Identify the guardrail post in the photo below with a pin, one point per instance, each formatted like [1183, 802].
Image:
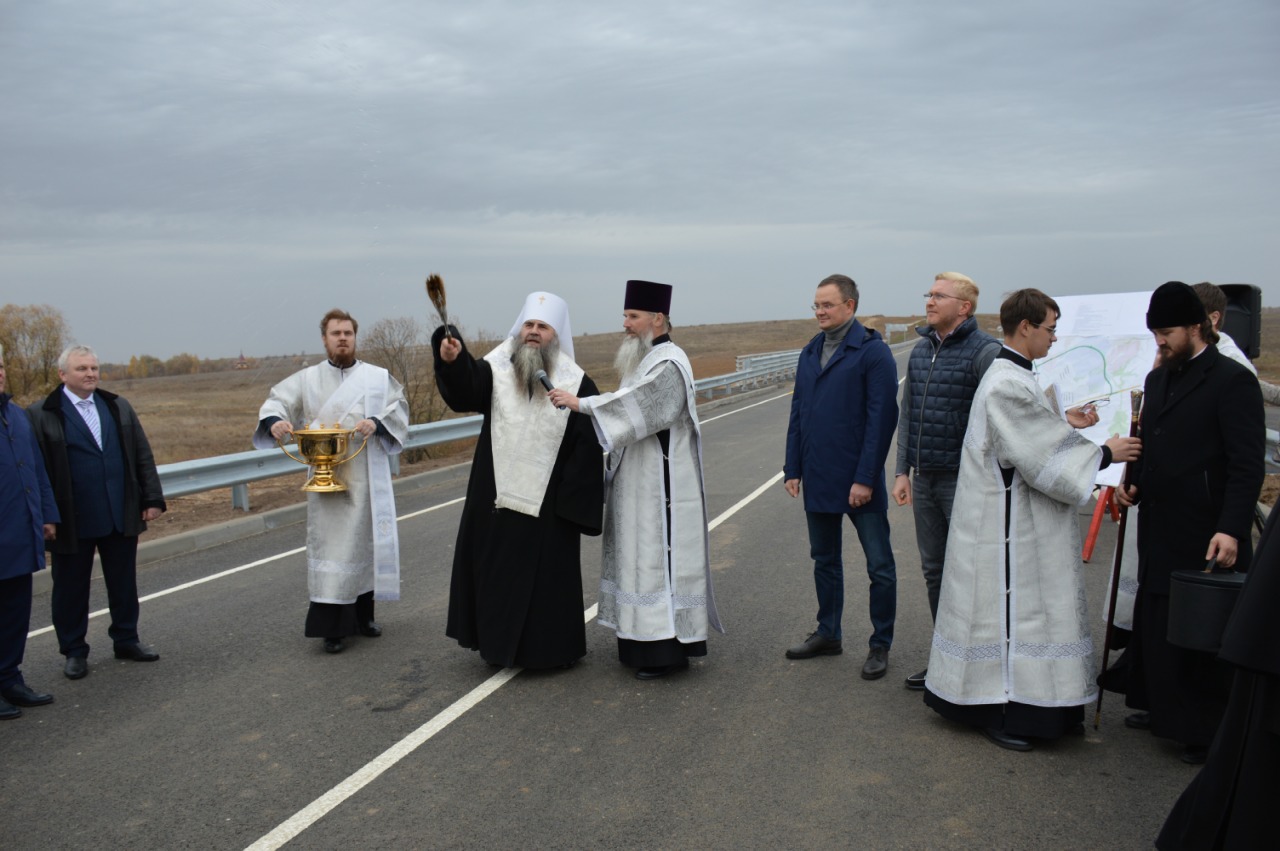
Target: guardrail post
[240, 496]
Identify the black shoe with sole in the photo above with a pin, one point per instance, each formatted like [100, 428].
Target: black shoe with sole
[877, 663]
[1138, 721]
[915, 682]
[75, 667]
[136, 652]
[816, 644]
[333, 645]
[1004, 740]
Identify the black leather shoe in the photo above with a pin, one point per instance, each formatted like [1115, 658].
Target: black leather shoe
[1191, 754]
[76, 667]
[8, 713]
[659, 672]
[370, 629]
[1004, 740]
[816, 644]
[136, 653]
[333, 645]
[915, 682]
[23, 695]
[877, 663]
[1138, 721]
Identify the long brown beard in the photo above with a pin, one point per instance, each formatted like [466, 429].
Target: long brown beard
[631, 351]
[527, 360]
[343, 361]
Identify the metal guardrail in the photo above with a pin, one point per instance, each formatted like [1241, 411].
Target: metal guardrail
[236, 471]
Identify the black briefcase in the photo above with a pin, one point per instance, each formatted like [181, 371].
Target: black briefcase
[1200, 604]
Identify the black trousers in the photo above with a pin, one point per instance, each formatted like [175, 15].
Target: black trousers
[71, 575]
[15, 620]
[336, 620]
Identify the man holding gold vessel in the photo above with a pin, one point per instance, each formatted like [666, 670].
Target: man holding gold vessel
[353, 549]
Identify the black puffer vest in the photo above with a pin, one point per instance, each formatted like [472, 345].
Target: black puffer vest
[943, 377]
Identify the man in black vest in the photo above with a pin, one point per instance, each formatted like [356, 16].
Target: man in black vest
[942, 375]
[107, 488]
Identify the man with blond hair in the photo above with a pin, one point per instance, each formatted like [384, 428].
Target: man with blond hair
[942, 375]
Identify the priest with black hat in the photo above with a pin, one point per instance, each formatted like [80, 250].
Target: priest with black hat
[655, 584]
[1198, 480]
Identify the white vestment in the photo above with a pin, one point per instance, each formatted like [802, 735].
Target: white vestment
[1015, 629]
[650, 591]
[526, 431]
[352, 541]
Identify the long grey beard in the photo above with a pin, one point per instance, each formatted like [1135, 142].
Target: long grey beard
[631, 352]
[527, 360]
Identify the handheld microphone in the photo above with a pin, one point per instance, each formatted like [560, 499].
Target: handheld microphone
[541, 376]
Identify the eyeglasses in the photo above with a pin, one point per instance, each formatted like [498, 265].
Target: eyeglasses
[940, 297]
[1052, 329]
[815, 307]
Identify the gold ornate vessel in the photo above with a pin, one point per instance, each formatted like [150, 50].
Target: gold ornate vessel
[323, 450]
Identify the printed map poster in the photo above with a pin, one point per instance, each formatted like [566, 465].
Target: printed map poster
[1103, 351]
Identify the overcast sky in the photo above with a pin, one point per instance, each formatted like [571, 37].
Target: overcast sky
[212, 175]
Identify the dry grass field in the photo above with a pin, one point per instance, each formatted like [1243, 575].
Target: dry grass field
[197, 416]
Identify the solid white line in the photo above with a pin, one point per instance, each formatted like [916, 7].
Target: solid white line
[744, 408]
[193, 583]
[743, 503]
[318, 808]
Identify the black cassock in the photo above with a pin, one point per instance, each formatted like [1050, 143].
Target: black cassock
[516, 592]
[1231, 803]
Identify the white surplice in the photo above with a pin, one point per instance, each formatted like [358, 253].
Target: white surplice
[649, 591]
[352, 541]
[1016, 630]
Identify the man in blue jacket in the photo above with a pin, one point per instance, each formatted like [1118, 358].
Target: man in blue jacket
[843, 413]
[27, 517]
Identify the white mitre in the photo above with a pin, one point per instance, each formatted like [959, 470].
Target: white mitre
[551, 309]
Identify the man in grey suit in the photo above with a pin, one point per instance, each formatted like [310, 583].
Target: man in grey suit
[107, 488]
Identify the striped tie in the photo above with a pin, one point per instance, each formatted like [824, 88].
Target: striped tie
[89, 412]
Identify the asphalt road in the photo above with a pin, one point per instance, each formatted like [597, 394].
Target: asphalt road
[244, 726]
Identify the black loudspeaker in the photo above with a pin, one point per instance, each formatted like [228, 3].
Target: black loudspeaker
[1244, 317]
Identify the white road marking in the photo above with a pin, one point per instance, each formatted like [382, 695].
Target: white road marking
[745, 408]
[318, 808]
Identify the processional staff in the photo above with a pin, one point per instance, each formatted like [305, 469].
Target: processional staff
[1135, 419]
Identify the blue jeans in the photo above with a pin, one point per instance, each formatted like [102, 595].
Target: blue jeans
[825, 546]
[932, 495]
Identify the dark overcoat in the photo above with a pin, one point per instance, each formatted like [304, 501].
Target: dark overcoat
[1201, 470]
[1203, 443]
[141, 481]
[843, 419]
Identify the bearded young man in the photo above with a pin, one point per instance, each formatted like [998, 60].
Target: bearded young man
[353, 549]
[655, 589]
[1198, 481]
[536, 487]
